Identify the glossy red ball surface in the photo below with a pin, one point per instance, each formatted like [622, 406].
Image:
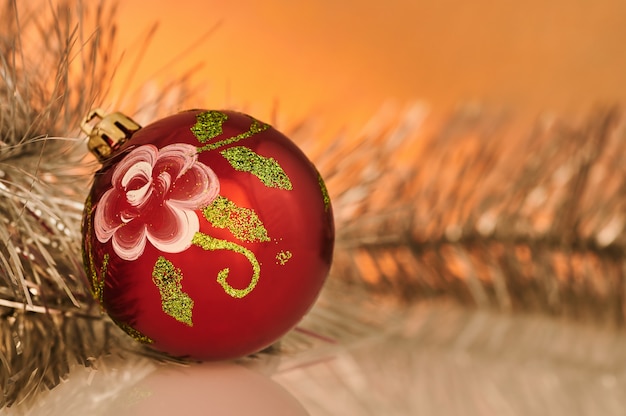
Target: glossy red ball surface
[207, 235]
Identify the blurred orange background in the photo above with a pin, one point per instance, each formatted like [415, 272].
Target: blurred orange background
[339, 61]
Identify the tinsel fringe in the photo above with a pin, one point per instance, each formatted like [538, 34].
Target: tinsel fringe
[55, 63]
[492, 218]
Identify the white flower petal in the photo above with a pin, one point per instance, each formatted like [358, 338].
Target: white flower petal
[130, 250]
[146, 154]
[184, 154]
[104, 221]
[139, 196]
[179, 239]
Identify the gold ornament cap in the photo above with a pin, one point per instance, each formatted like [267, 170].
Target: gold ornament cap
[108, 134]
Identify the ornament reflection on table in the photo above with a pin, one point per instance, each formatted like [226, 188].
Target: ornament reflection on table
[221, 388]
[206, 234]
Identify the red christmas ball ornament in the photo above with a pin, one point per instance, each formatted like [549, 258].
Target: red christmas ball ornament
[206, 234]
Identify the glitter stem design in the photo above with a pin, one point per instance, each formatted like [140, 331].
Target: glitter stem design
[133, 333]
[201, 133]
[207, 242]
[324, 190]
[97, 279]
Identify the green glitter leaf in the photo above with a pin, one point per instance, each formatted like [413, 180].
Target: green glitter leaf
[174, 301]
[206, 242]
[244, 223]
[208, 125]
[266, 169]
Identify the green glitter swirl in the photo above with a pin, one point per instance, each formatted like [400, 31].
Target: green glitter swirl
[207, 242]
[208, 125]
[244, 223]
[255, 127]
[174, 301]
[266, 169]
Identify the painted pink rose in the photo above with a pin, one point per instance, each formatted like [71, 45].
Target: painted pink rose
[154, 197]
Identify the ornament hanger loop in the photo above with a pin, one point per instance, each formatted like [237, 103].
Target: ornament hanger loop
[108, 134]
